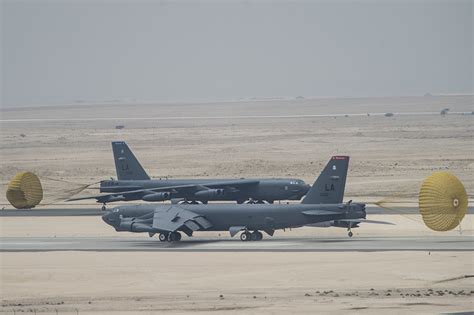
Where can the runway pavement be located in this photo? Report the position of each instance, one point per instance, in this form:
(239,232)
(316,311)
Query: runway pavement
(66,212)
(226,244)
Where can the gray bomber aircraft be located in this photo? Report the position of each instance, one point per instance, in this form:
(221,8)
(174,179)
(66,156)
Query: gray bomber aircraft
(323,205)
(133,183)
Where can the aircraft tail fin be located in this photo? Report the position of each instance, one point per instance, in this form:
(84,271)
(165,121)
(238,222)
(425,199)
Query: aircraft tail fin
(126,164)
(329,186)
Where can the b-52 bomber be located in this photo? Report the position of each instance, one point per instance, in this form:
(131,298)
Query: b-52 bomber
(133,183)
(323,204)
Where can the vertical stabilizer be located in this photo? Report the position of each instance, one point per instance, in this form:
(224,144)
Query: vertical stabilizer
(329,186)
(126,164)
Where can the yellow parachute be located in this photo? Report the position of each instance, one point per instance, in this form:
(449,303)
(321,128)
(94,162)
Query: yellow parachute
(442,201)
(24,190)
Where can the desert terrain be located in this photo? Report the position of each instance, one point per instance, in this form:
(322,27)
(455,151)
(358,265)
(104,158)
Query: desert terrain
(69,147)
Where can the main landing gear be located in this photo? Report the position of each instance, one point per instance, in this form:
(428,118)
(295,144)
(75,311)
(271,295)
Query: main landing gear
(259,202)
(251,236)
(170,237)
(104,207)
(191,202)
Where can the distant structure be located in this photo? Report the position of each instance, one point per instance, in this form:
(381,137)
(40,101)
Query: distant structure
(119,127)
(388,114)
(444,111)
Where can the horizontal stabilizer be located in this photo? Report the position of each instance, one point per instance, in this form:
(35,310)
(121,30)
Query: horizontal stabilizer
(366,221)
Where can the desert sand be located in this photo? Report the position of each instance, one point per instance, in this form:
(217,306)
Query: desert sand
(390,156)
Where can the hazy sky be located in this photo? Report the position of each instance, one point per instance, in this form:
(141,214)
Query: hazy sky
(56,52)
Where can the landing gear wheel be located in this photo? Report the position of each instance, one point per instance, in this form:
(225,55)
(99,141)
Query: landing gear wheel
(350,234)
(253,236)
(162,237)
(244,237)
(256,236)
(174,237)
(103,207)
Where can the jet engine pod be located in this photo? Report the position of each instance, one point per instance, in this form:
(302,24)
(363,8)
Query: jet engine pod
(442,201)
(24,191)
(160,196)
(209,194)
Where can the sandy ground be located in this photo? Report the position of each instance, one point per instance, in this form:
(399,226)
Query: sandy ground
(390,156)
(392,282)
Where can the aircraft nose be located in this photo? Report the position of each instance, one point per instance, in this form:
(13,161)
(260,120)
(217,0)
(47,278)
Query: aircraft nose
(110,218)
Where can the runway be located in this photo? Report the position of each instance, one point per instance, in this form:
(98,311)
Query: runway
(226,244)
(66,212)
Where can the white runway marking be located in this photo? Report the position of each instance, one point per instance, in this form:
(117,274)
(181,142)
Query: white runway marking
(217,117)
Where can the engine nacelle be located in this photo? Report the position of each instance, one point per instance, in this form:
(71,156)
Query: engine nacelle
(208,194)
(321,224)
(132,226)
(161,196)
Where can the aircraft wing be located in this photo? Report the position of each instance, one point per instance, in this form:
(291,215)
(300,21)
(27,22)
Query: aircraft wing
(101,198)
(119,196)
(177,218)
(232,183)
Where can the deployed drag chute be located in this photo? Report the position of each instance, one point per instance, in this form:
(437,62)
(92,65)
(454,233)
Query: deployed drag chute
(442,201)
(24,191)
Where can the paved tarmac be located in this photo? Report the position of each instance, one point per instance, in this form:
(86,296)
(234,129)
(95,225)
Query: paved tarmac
(66,212)
(226,244)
